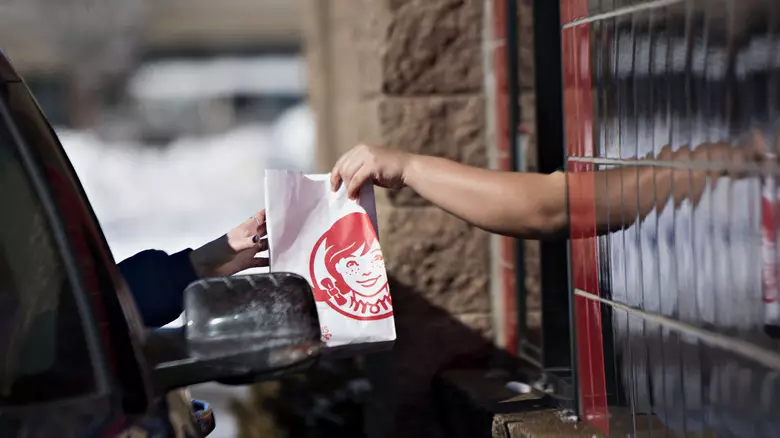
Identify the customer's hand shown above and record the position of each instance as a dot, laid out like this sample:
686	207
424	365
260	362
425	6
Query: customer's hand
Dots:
235	251
384	167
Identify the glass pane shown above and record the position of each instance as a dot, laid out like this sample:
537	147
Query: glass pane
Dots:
686	93
43	354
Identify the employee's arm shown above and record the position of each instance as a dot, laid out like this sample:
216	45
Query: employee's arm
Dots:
532	205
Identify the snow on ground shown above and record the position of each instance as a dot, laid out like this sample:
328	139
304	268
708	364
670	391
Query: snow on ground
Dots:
170	199
186	195
189	193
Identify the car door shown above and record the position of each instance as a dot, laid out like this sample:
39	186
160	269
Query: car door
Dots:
136	408
69	333
54	376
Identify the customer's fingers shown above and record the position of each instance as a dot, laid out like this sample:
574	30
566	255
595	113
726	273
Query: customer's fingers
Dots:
263	231
259	262
257	225
260	216
260	244
259	231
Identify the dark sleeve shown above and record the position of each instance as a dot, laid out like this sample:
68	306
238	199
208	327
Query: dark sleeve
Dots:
157	281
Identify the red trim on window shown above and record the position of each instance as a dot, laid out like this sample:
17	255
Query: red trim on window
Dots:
507	278
509	284
73	219
578	117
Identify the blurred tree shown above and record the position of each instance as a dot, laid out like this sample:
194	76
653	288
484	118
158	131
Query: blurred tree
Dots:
326	401
100	36
96	42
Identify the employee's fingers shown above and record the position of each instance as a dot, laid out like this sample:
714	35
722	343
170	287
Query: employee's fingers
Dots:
336	175
259	262
349	168
357	181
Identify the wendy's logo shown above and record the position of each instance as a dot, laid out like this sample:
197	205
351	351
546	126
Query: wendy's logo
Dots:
348	270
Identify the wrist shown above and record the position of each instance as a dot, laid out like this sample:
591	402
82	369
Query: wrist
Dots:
198	262
207	260
410	170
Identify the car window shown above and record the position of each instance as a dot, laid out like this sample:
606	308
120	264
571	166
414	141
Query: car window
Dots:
119	327
43	352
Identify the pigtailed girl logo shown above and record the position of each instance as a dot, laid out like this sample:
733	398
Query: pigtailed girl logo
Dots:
348	270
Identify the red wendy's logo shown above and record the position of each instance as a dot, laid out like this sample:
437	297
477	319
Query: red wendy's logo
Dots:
348	270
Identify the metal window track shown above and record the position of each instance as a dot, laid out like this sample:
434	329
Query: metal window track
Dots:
622	11
731	344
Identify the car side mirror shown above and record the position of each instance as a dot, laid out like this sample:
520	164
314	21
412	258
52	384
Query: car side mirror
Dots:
238	330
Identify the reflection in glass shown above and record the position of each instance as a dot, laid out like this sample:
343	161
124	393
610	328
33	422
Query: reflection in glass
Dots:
691	235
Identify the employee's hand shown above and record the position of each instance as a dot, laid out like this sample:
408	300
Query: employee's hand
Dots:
384	167
235	251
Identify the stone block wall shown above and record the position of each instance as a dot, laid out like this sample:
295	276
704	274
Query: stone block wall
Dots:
408	74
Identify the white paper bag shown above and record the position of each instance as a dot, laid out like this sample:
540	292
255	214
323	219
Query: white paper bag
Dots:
331	241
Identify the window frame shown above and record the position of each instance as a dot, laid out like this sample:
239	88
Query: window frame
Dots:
555	357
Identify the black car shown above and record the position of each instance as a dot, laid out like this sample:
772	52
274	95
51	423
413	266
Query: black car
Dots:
75	360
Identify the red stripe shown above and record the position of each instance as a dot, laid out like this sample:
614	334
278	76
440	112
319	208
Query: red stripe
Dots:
579	118
74	219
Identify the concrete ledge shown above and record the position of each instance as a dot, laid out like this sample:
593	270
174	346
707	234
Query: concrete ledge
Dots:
477	404
547	423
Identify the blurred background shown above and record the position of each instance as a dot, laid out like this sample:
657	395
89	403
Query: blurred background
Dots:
170	110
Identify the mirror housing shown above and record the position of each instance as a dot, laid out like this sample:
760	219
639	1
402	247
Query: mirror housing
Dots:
238	330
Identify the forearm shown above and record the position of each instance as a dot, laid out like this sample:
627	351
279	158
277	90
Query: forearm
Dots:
525	205
157	280
537	206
